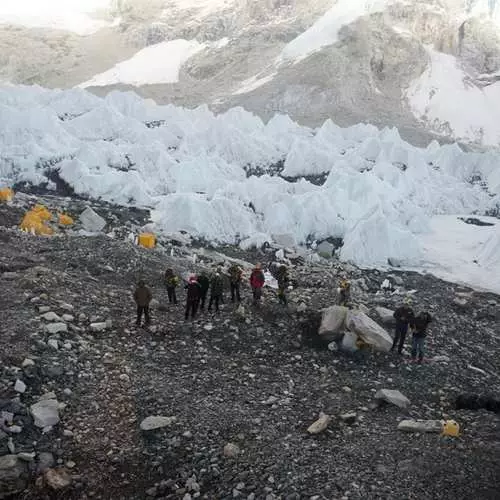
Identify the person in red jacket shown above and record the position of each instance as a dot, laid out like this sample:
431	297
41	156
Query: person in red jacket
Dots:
257	281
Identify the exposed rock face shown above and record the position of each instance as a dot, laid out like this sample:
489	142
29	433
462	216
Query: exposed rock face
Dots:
378	52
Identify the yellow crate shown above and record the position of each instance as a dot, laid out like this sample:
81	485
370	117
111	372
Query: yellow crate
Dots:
6	195
147	240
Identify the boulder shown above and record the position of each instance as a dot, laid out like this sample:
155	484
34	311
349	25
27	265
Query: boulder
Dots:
420	426
392	397
385	315
368	330
332	321
20	386
45	413
12	471
92	221
231	450
156	422
320	425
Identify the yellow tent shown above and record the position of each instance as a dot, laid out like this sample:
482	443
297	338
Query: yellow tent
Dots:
65	220
6	194
147	240
34	222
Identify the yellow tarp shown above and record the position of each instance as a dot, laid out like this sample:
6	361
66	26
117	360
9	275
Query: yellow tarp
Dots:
147	240
42	212
6	194
34	224
66	220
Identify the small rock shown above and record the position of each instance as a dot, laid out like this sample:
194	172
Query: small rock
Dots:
53	343
156	422
12	470
27	457
20	386
28	362
231	450
54	328
45	413
51	316
392	397
98	327
57	479
45	462
348	418
301	308
43	309
420	426
68	317
66	307
320	425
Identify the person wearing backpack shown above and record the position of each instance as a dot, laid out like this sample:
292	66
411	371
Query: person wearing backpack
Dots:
419	326
257	280
235	277
142	297
216	290
192	297
403	315
283	282
171	282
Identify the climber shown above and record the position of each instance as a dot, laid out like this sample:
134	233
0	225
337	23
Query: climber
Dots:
403	315
283	283
204	282
235	276
171	282
216	290
257	280
192	297
142	297
419	326
344	291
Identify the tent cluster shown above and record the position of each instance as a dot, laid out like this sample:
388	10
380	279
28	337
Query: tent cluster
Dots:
37	221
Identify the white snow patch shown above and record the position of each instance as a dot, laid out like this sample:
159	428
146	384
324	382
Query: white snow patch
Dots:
325	30
68	15
160	63
447	99
253	83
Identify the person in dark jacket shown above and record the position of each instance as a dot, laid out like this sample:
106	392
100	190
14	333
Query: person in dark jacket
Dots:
192	297
419	326
143	297
257	281
283	282
204	282
403	315
171	282
216	290
235	276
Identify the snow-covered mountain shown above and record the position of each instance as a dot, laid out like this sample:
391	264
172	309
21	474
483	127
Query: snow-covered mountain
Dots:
426	66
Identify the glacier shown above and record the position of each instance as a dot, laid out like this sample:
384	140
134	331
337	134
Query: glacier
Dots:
215	175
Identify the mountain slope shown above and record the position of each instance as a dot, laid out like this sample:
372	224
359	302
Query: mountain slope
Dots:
351	60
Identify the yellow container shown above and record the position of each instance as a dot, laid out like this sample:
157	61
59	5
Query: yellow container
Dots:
42	212
451	428
147	240
6	195
65	220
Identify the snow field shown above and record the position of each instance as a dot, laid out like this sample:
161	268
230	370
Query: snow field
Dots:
381	194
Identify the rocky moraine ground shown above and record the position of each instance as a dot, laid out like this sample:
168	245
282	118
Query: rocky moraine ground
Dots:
237	391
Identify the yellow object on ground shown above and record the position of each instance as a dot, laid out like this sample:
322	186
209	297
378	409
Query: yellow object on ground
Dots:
147	240
6	194
66	220
33	223
451	428
42	212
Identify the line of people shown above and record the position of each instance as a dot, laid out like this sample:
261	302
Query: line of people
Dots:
198	287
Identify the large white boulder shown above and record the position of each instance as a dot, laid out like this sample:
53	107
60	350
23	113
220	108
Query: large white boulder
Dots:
156	422
92	221
368	330
393	397
420	426
332	321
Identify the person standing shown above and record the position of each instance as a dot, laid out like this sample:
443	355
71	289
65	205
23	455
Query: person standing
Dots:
419	326
204	282
171	282
235	277
344	291
216	290
283	282
257	280
143	297
403	315
192	297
